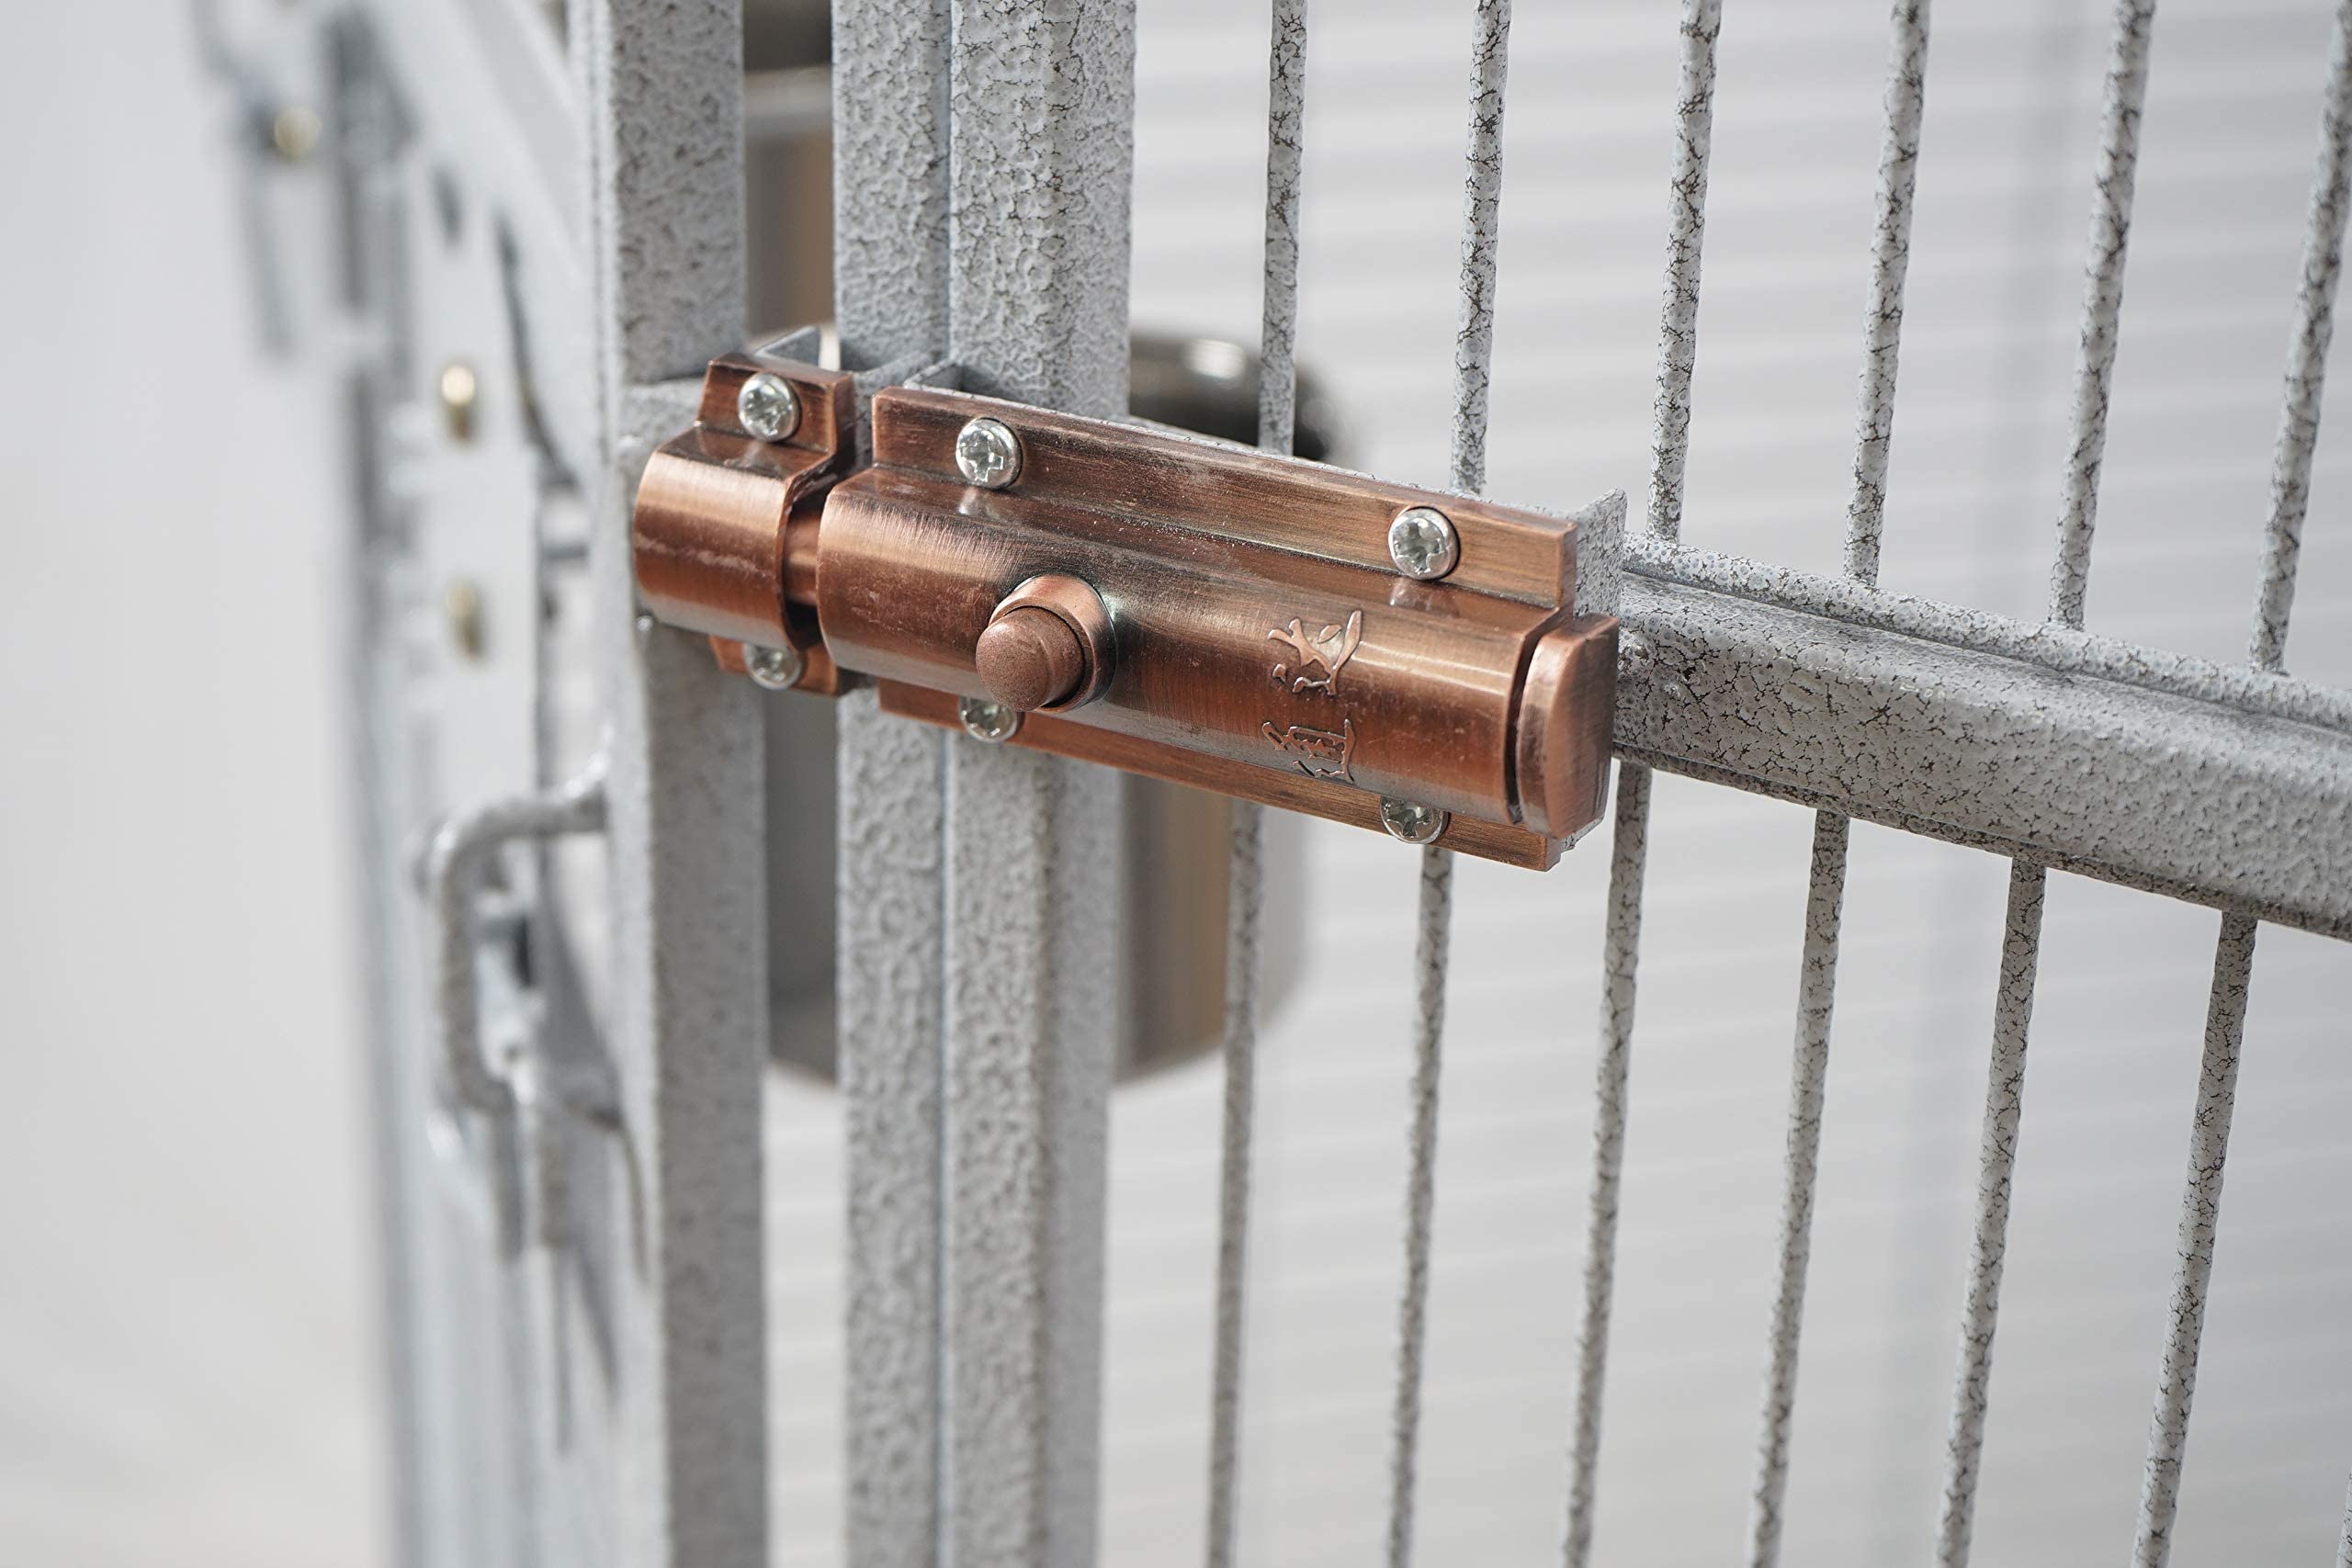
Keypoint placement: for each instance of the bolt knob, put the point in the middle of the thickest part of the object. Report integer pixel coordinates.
(1030, 658)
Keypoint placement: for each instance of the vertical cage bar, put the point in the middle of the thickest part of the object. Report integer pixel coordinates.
(1816, 998)
(2119, 161)
(686, 813)
(1621, 954)
(1686, 230)
(890, 300)
(1832, 834)
(1677, 357)
(889, 179)
(1988, 1247)
(1242, 956)
(1285, 138)
(1041, 140)
(2291, 473)
(2200, 1215)
(1436, 912)
(1898, 178)
(668, 199)
(1277, 409)
(1042, 153)
(2021, 952)
(1473, 337)
(887, 985)
(1474, 352)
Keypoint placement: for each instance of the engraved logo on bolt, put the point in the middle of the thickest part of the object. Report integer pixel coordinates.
(1328, 650)
(988, 452)
(1319, 753)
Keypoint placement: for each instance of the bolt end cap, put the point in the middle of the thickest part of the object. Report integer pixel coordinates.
(1565, 719)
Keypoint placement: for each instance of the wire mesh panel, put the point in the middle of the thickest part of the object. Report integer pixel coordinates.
(2047, 118)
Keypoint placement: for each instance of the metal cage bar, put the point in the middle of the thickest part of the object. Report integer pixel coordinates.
(1041, 100)
(1833, 832)
(2234, 949)
(1989, 1235)
(1898, 181)
(1244, 958)
(1473, 349)
(1244, 961)
(1702, 22)
(1760, 677)
(976, 948)
(1433, 917)
(2119, 163)
(2200, 1217)
(2291, 478)
(686, 809)
(891, 200)
(1816, 1000)
(1619, 960)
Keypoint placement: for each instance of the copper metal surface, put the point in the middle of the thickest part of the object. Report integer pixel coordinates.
(1185, 609)
(1085, 641)
(1262, 659)
(1566, 705)
(1259, 626)
(821, 677)
(716, 505)
(1028, 658)
(1292, 791)
(1233, 492)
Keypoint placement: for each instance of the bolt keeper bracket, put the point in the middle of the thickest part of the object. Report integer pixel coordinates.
(724, 534)
(1262, 626)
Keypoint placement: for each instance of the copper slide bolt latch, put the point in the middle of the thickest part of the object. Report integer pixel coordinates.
(1263, 626)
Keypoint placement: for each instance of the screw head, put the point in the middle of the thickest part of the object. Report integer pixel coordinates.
(985, 720)
(461, 390)
(767, 407)
(294, 132)
(773, 668)
(1422, 543)
(1410, 823)
(462, 609)
(988, 452)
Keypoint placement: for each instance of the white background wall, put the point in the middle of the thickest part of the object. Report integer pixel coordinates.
(185, 1364)
(186, 1357)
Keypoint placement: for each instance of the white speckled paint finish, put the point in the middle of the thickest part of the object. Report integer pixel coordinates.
(689, 1026)
(984, 163)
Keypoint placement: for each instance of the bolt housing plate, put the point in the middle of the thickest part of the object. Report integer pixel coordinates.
(1264, 643)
